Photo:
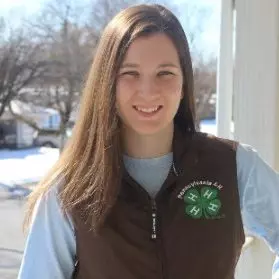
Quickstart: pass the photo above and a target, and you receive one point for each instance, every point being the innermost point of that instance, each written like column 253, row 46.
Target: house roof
column 23, row 108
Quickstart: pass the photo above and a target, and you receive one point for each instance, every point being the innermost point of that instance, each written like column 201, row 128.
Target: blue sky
column 209, row 41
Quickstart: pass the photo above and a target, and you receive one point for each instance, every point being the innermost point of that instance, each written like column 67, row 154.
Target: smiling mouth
column 149, row 110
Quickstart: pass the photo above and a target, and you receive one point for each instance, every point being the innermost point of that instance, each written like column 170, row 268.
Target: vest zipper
column 157, row 238
column 154, row 220
column 154, row 210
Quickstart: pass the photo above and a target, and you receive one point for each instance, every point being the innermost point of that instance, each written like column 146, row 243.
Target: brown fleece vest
column 192, row 230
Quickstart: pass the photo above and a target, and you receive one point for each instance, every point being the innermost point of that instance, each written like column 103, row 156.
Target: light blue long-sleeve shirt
column 50, row 247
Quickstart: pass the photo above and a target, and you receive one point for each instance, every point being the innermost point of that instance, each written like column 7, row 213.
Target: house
column 17, row 134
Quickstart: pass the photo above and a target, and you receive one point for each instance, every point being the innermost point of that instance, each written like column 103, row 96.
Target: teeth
column 148, row 110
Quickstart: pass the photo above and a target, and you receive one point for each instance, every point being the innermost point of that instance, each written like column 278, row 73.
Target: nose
column 148, row 89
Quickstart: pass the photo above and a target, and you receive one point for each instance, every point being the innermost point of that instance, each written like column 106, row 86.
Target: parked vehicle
column 50, row 138
column 8, row 131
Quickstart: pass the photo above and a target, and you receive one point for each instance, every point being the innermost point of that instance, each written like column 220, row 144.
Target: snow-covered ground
column 28, row 166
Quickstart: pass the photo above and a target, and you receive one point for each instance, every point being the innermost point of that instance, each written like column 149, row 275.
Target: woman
column 137, row 192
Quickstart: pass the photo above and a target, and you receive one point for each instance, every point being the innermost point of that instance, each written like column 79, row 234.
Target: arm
column 259, row 199
column 50, row 246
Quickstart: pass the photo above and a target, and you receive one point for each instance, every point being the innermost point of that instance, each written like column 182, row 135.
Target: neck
column 147, row 146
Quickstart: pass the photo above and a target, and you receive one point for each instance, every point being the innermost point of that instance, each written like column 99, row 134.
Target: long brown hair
column 90, row 164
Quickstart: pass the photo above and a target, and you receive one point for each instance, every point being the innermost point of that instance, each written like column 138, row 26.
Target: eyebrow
column 134, row 65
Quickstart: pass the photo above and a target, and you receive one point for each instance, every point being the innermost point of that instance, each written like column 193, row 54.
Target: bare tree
column 20, row 64
column 194, row 19
column 68, row 52
column 205, row 89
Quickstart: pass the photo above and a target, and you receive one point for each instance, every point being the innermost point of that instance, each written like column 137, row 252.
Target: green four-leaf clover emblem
column 202, row 204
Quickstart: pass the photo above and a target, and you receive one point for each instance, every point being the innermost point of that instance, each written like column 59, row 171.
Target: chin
column 148, row 130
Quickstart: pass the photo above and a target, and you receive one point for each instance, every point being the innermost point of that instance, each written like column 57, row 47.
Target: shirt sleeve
column 275, row 270
column 259, row 199
column 50, row 247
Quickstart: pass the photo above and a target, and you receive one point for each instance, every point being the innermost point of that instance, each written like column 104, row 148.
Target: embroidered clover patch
column 204, row 203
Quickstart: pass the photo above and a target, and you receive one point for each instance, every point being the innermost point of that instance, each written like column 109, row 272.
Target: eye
column 165, row 73
column 130, row 73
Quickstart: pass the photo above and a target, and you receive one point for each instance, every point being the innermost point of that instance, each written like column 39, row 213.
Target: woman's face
column 149, row 85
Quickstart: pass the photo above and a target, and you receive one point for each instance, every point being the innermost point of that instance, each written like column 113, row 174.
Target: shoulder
column 247, row 153
column 49, row 206
column 48, row 201
column 51, row 195
column 251, row 164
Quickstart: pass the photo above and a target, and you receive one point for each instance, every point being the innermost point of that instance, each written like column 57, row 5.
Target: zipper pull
column 154, row 220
